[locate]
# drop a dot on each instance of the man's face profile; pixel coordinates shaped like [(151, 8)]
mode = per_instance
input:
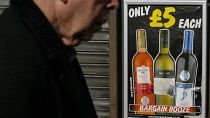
[(78, 20)]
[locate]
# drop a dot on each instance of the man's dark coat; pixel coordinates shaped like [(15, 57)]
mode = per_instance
[(39, 76)]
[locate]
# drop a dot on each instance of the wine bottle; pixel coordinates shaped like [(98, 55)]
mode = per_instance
[(143, 72), (186, 72), (164, 75)]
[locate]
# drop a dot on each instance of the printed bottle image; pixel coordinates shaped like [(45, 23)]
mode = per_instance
[(164, 72), (186, 72), (143, 73)]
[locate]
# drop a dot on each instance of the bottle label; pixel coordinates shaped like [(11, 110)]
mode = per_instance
[(165, 74), (164, 86), (143, 75), (184, 75), (164, 82), (184, 94), (145, 100)]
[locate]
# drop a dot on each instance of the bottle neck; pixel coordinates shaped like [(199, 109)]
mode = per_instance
[(187, 51), (164, 42), (141, 41), (142, 50), (188, 42), (164, 45), (164, 50), (142, 45)]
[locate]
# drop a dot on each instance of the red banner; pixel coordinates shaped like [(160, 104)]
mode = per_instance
[(160, 108)]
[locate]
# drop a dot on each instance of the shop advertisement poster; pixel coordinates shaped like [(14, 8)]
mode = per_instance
[(165, 58)]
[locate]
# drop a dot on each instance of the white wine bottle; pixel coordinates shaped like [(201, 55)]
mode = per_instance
[(164, 72)]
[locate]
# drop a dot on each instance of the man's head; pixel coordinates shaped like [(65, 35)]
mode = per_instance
[(76, 20)]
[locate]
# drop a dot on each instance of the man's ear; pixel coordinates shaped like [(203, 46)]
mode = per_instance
[(64, 1)]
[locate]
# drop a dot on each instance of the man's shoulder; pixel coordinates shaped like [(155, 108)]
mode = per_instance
[(10, 24), (12, 30), (15, 37)]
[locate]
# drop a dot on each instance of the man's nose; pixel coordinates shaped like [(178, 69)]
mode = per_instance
[(114, 4)]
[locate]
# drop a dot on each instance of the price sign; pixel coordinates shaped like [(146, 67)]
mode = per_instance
[(158, 16), (162, 27)]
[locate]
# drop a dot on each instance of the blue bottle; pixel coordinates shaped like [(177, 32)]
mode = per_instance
[(186, 72)]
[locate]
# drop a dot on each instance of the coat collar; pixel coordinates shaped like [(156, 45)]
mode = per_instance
[(44, 33)]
